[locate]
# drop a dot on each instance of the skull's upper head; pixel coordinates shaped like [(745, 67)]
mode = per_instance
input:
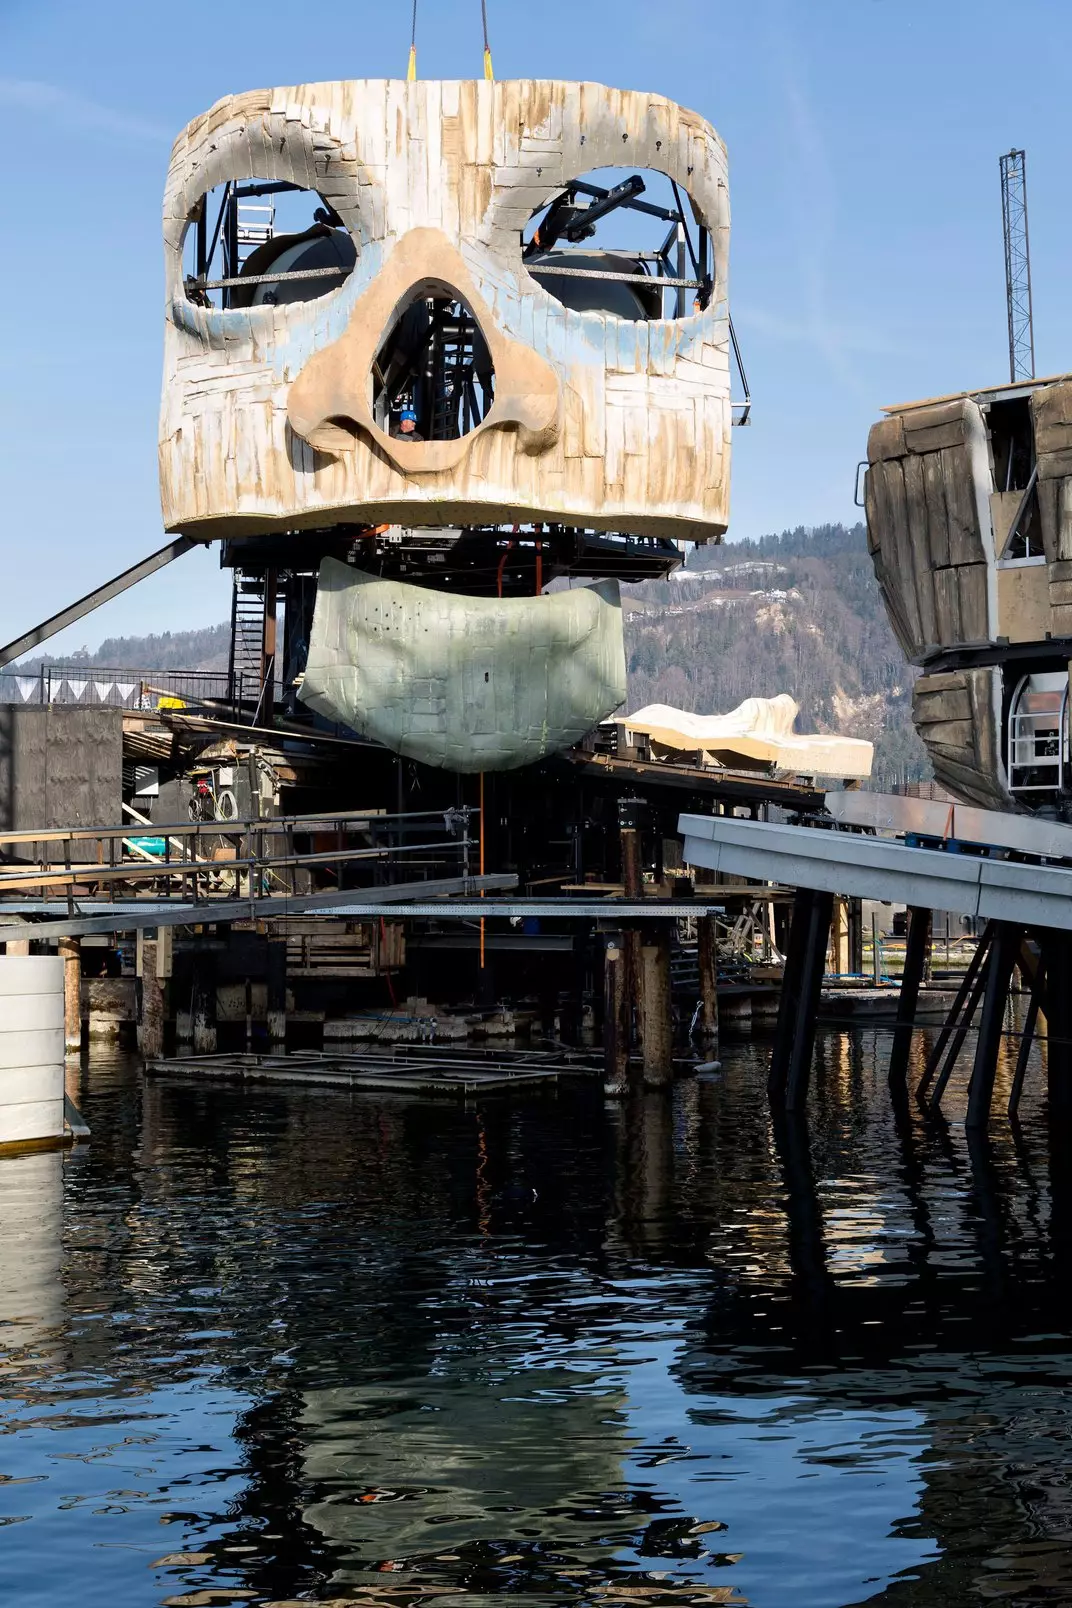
[(270, 418)]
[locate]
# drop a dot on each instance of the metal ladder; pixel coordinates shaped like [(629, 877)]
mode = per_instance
[(452, 357), (247, 638), (255, 224)]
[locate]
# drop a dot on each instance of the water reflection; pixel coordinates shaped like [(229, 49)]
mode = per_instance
[(307, 1345)]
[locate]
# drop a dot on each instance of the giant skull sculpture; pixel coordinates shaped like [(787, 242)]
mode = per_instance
[(598, 421)]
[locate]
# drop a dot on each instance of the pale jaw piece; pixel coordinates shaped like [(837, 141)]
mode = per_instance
[(464, 683), (759, 732)]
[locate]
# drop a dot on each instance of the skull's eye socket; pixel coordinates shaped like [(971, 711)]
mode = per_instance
[(630, 244), (432, 378), (254, 243)]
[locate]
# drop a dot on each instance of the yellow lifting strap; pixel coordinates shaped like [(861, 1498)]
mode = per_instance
[(411, 70), (489, 73)]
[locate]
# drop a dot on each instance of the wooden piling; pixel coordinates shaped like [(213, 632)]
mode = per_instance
[(70, 950), (630, 814), (615, 1016), (203, 1004), (707, 959), (150, 996), (656, 1020), (277, 990)]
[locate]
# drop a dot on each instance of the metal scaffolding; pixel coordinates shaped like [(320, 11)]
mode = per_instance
[(1017, 265)]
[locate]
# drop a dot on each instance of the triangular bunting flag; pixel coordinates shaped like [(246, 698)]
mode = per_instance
[(27, 686), (77, 687), (102, 689), (124, 689)]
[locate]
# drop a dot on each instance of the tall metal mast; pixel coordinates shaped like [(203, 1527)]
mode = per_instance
[(1017, 265)]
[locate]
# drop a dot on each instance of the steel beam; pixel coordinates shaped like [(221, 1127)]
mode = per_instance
[(1003, 953), (1027, 1038), (962, 994), (816, 939), (177, 913), (916, 944), (1057, 956), (790, 1068), (873, 868), (888, 812)]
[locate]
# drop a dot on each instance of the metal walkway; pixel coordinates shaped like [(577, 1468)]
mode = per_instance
[(859, 866)]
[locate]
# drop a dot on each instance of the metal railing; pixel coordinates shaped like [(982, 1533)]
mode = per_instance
[(1038, 736), (255, 857), (91, 686)]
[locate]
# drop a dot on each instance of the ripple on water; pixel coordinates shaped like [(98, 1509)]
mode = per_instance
[(267, 1347)]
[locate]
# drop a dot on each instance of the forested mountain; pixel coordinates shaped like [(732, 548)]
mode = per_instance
[(171, 650), (797, 613)]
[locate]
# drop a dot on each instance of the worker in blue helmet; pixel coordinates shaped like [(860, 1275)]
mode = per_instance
[(406, 427)]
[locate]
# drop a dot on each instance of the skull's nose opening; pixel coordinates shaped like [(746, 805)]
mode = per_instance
[(432, 378)]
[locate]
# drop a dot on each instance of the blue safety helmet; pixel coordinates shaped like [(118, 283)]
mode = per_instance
[(408, 413)]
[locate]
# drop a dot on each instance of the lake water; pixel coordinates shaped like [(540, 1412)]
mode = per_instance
[(275, 1346)]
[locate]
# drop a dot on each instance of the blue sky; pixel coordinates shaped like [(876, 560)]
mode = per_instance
[(866, 264)]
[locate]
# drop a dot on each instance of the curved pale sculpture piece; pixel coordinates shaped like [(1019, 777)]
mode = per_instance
[(758, 732), (465, 683)]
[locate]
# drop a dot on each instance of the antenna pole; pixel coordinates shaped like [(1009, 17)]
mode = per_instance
[(1017, 266)]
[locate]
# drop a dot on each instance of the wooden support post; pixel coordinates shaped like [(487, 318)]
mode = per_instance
[(203, 1004), (707, 959), (277, 991), (630, 813), (656, 1021), (615, 1016), (632, 874), (1003, 953), (855, 916), (839, 938), (150, 995), (917, 945), (1057, 954), (17, 946), (71, 953)]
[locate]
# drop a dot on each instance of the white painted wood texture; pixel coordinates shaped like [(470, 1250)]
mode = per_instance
[(641, 429), (31, 1048)]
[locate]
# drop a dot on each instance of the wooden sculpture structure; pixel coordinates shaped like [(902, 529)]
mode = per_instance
[(441, 376), (969, 520), (274, 414)]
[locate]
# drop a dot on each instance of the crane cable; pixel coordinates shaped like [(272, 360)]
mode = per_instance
[(488, 72), (411, 70)]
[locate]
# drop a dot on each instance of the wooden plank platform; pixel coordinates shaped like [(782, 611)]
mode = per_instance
[(428, 1072)]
